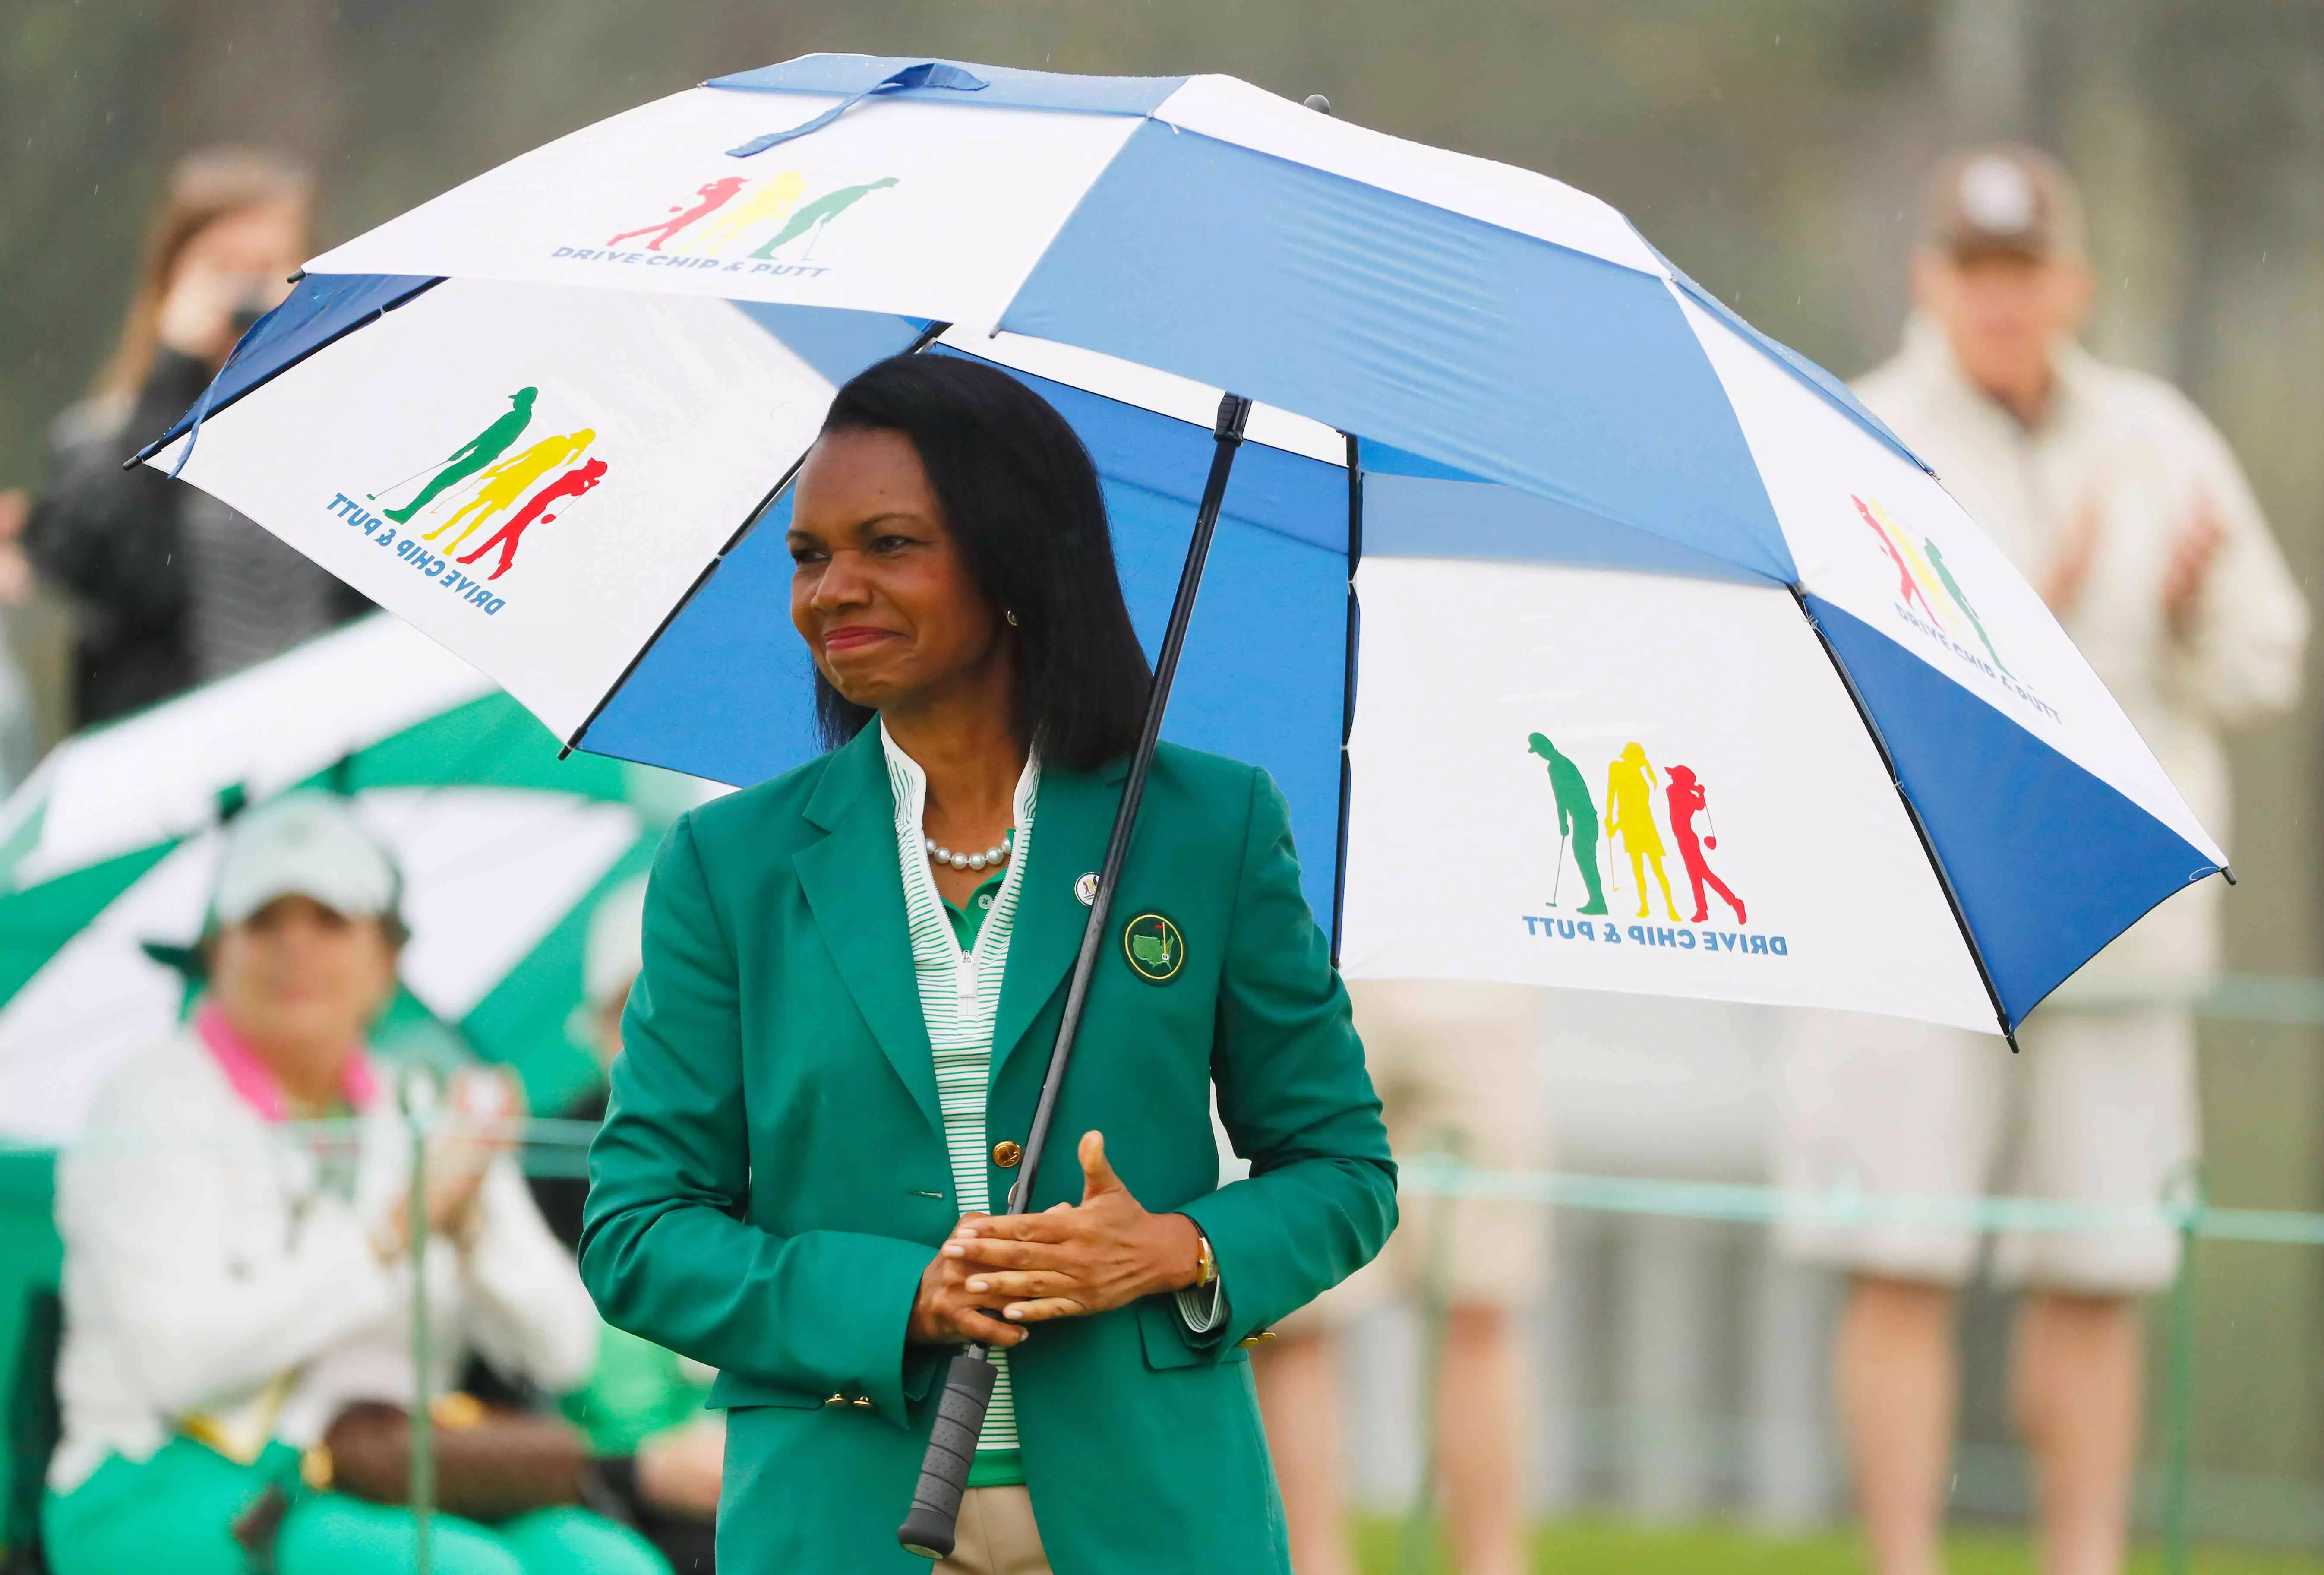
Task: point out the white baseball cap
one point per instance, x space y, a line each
308 844
2009 199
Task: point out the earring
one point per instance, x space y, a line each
1012 617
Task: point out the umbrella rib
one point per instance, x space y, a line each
163 441
1912 813
928 336
1347 687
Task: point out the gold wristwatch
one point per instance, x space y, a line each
1206 1267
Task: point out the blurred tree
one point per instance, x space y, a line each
1774 148
254 71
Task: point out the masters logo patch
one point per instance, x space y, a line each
1156 950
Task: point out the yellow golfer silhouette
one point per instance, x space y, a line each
506 482
1630 815
777 198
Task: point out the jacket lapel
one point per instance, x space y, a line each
1070 825
851 887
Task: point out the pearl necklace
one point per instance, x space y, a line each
991 857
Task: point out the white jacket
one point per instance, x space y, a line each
2134 449
209 1272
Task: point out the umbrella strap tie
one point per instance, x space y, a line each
194 432
926 74
209 393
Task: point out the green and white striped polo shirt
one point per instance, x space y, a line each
958 960
960 991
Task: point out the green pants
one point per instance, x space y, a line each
176 1511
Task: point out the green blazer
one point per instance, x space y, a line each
772 1177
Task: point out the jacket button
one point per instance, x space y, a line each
1006 1154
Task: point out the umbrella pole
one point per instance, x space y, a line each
928 1529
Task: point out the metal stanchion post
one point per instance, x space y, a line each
2179 1399
418 1104
1435 1320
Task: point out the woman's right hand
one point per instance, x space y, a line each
945 1314
482 1113
197 312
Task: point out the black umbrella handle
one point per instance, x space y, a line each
929 1529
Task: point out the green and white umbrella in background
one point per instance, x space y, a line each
113 843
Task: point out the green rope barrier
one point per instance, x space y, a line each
556 1147
2286 1000
1745 1203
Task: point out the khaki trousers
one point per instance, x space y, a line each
996 1535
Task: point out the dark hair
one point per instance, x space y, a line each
1021 500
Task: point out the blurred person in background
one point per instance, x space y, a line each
642 1407
1457 1070
2124 507
173 588
231 1291
20 743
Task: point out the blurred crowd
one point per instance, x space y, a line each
238 1368
242 1232
168 588
242 1237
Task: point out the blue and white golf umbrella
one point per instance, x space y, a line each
1677 672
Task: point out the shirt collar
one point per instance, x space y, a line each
1926 349
258 1087
910 785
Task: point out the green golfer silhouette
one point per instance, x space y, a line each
1953 589
474 454
1577 817
820 212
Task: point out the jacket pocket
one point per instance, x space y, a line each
1167 1344
734 1390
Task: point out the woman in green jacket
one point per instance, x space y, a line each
852 977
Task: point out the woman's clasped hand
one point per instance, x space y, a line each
1105 1252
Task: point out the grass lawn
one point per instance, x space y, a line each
1596 1547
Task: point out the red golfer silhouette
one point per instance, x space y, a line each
714 197
572 484
1686 798
1907 587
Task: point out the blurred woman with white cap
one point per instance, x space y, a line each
231 1288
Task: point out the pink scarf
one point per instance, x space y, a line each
258 1087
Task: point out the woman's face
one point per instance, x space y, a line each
302 983
257 246
880 592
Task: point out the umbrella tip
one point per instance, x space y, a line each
1316 101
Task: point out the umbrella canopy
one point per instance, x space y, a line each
113 844
1678 671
